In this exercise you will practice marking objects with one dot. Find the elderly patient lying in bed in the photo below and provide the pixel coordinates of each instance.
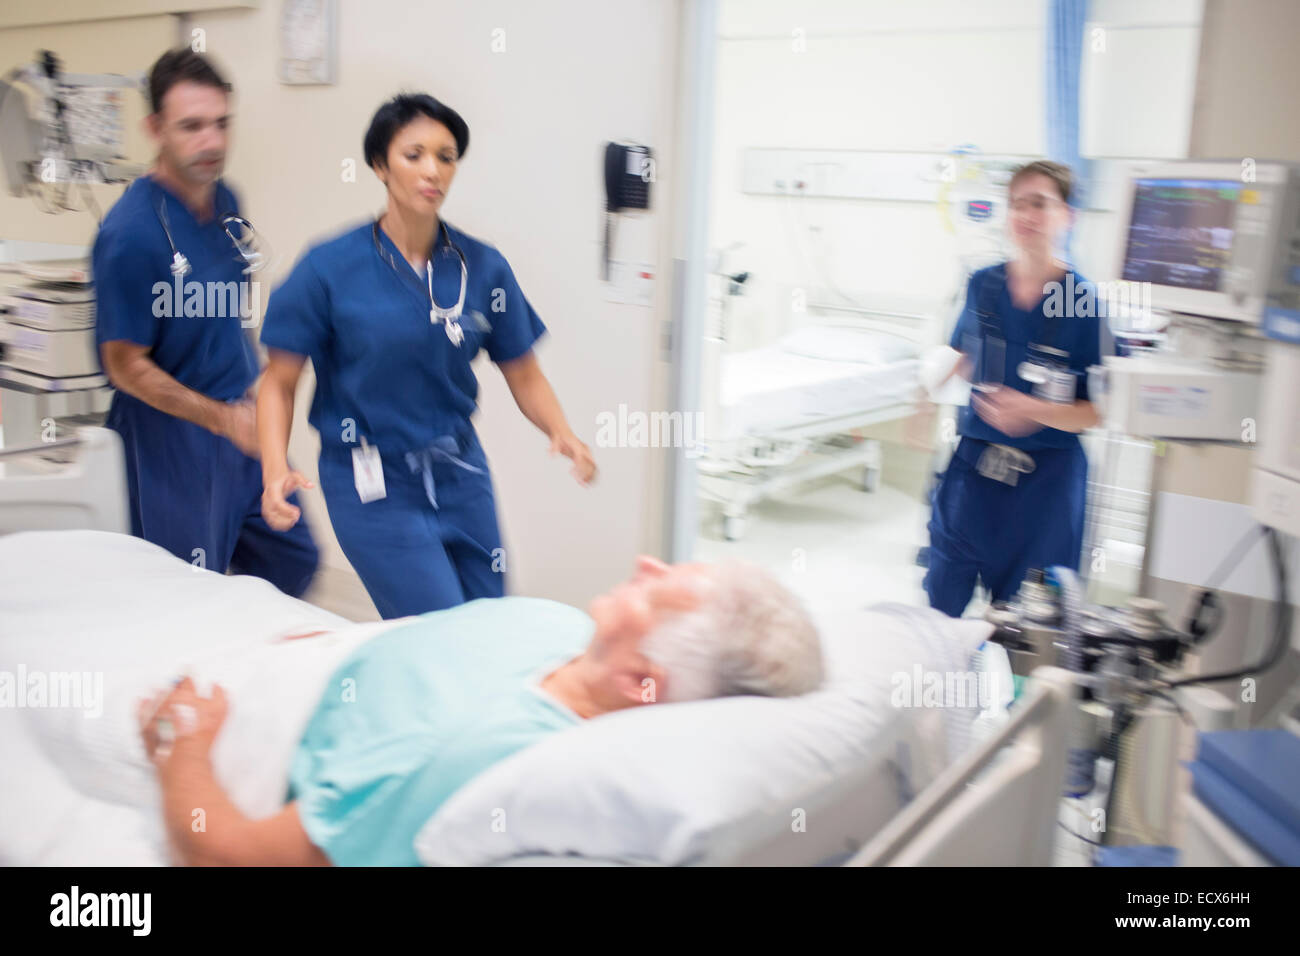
(417, 711)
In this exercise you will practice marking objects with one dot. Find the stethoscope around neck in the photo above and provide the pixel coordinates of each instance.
(449, 317)
(254, 259)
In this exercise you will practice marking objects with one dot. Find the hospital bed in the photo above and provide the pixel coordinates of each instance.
(871, 783)
(788, 412)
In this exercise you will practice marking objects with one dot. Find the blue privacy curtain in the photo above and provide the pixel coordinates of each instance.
(1063, 63)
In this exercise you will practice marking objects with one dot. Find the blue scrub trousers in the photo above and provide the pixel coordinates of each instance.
(197, 495)
(412, 553)
(983, 528)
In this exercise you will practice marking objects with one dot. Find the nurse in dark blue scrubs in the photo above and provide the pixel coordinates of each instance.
(175, 349)
(392, 313)
(1014, 493)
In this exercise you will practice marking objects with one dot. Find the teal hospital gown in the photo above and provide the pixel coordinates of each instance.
(418, 711)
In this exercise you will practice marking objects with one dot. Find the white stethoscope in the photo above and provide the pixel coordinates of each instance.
(246, 243)
(437, 313)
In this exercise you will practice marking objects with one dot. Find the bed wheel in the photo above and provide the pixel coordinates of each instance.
(733, 527)
(870, 479)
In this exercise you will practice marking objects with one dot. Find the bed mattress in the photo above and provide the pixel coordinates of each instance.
(785, 386)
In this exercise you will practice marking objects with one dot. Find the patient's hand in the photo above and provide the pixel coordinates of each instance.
(181, 718)
(191, 792)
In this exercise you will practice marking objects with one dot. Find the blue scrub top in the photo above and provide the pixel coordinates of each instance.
(380, 363)
(1079, 334)
(195, 331)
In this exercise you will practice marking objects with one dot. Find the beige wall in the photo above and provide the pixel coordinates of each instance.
(1247, 81)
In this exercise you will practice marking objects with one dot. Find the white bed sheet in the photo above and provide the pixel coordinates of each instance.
(78, 789)
(767, 389)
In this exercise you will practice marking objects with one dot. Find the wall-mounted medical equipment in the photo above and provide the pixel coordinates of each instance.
(629, 171)
(58, 128)
(1215, 239)
(1216, 245)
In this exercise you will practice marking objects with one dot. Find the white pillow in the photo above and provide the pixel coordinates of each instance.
(658, 784)
(833, 343)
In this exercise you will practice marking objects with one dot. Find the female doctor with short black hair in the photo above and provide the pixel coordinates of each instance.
(1013, 495)
(391, 314)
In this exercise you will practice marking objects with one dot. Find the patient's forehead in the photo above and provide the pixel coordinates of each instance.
(690, 569)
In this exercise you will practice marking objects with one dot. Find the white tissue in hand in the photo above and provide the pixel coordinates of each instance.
(936, 365)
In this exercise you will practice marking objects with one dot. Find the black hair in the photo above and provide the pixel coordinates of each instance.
(399, 111)
(181, 66)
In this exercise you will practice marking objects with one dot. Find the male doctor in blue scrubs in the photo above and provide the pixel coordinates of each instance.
(170, 288)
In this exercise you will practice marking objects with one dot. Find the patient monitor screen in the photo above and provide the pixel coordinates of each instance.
(1181, 232)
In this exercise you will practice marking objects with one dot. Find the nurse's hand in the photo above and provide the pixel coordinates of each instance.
(239, 424)
(1009, 410)
(584, 466)
(277, 510)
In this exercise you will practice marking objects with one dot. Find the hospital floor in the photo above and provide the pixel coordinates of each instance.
(837, 546)
(340, 591)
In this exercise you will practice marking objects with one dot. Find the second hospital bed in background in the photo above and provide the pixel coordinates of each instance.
(787, 413)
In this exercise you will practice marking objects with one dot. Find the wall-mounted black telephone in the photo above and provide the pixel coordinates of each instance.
(629, 171)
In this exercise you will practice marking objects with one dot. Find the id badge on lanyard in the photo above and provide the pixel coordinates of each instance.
(1053, 379)
(1055, 383)
(368, 472)
(1058, 386)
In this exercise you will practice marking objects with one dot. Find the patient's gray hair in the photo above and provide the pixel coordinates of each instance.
(749, 635)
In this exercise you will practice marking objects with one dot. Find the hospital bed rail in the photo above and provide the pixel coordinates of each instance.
(997, 805)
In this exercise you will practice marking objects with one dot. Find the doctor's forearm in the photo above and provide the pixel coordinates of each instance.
(1076, 417)
(141, 378)
(535, 397)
